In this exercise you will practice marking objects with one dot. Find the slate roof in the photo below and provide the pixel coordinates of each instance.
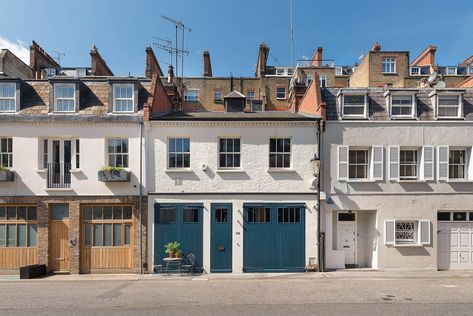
(377, 104)
(235, 116)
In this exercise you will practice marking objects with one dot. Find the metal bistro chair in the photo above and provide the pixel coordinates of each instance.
(158, 268)
(189, 266)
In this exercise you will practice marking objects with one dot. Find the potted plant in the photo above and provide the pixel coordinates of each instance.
(6, 175)
(172, 248)
(113, 174)
(178, 253)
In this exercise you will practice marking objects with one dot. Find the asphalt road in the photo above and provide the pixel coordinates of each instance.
(284, 295)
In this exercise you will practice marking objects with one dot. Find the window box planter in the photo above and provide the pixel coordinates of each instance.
(6, 175)
(114, 175)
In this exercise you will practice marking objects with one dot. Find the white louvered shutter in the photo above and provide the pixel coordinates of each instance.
(470, 163)
(389, 232)
(377, 159)
(393, 163)
(342, 163)
(424, 232)
(428, 162)
(443, 155)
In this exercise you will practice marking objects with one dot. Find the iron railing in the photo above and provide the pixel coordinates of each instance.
(59, 175)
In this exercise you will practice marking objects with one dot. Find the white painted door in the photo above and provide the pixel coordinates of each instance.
(347, 240)
(455, 246)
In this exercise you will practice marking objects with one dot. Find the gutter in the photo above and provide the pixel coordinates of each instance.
(141, 197)
(320, 252)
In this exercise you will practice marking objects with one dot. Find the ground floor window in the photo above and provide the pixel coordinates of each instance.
(410, 232)
(406, 232)
(18, 226)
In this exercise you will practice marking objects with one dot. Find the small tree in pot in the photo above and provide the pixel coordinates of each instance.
(172, 248)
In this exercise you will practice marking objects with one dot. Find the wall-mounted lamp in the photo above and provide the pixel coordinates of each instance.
(315, 164)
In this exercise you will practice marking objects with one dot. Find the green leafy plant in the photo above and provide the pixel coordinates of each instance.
(112, 169)
(178, 253)
(172, 248)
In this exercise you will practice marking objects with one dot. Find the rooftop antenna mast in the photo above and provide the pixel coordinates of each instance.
(291, 30)
(165, 45)
(58, 56)
(182, 50)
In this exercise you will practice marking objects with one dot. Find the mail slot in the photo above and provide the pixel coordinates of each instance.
(221, 248)
(346, 246)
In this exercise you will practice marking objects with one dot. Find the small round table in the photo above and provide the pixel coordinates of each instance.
(172, 261)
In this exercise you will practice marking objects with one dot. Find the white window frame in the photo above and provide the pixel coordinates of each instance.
(368, 164)
(132, 99)
(277, 93)
(280, 71)
(227, 153)
(175, 152)
(416, 164)
(309, 80)
(58, 86)
(276, 152)
(447, 71)
(8, 85)
(459, 106)
(8, 154)
(123, 154)
(470, 70)
(412, 106)
(187, 96)
(411, 71)
(465, 164)
(338, 71)
(323, 81)
(421, 228)
(355, 116)
(250, 95)
(390, 63)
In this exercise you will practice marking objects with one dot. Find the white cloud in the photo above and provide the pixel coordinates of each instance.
(19, 48)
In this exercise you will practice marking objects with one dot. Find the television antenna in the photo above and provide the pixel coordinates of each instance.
(165, 45)
(58, 56)
(179, 25)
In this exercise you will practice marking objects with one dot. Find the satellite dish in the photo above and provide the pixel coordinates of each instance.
(433, 77)
(440, 84)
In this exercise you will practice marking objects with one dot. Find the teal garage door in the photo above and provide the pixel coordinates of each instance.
(274, 238)
(181, 223)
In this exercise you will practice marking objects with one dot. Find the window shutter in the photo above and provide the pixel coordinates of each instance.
(428, 162)
(377, 159)
(367, 107)
(389, 228)
(470, 163)
(342, 163)
(393, 163)
(424, 232)
(414, 106)
(443, 155)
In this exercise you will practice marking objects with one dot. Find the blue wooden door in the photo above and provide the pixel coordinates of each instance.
(274, 238)
(221, 238)
(181, 223)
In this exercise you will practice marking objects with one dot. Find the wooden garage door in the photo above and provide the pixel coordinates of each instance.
(106, 238)
(18, 230)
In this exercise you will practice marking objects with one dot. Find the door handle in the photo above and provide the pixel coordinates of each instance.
(221, 248)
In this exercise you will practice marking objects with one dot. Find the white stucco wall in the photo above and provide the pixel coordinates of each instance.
(394, 200)
(27, 163)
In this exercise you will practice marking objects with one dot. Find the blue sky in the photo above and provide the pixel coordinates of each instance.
(232, 30)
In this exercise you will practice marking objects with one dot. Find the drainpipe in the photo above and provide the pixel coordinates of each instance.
(141, 196)
(320, 260)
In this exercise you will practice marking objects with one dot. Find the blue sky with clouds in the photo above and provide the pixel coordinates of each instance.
(232, 30)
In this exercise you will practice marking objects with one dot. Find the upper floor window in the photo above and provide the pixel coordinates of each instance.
(470, 70)
(323, 81)
(179, 153)
(415, 71)
(338, 71)
(354, 106)
(280, 153)
(65, 97)
(7, 97)
(449, 106)
(408, 164)
(123, 99)
(229, 153)
(451, 70)
(217, 95)
(250, 95)
(389, 65)
(6, 152)
(118, 152)
(310, 78)
(457, 164)
(279, 71)
(360, 164)
(191, 95)
(402, 106)
(290, 71)
(280, 93)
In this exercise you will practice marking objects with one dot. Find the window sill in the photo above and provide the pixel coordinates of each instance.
(283, 170)
(41, 170)
(63, 112)
(389, 73)
(361, 181)
(412, 181)
(58, 189)
(179, 170)
(345, 118)
(398, 118)
(281, 99)
(408, 245)
(459, 181)
(75, 171)
(229, 171)
(122, 112)
(450, 118)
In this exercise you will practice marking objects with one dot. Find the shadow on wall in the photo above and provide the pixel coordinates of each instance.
(285, 176)
(238, 176)
(413, 251)
(416, 187)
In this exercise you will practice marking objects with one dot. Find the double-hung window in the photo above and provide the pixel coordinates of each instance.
(323, 81)
(451, 71)
(389, 65)
(6, 152)
(412, 164)
(191, 95)
(7, 97)
(280, 153)
(118, 152)
(229, 153)
(217, 96)
(402, 106)
(250, 95)
(354, 106)
(457, 164)
(338, 71)
(179, 153)
(449, 106)
(358, 164)
(280, 93)
(65, 96)
(408, 164)
(470, 70)
(415, 71)
(123, 97)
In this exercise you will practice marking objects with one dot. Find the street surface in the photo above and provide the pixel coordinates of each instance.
(365, 293)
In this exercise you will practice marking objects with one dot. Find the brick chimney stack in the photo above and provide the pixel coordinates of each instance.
(207, 64)
(262, 58)
(317, 59)
(170, 74)
(376, 47)
(152, 65)
(98, 64)
(40, 60)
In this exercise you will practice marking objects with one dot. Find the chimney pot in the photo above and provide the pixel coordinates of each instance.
(376, 47)
(170, 74)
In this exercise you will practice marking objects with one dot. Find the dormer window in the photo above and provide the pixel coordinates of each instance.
(338, 71)
(415, 71)
(470, 70)
(401, 104)
(447, 104)
(354, 106)
(7, 97)
(65, 97)
(123, 97)
(451, 71)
